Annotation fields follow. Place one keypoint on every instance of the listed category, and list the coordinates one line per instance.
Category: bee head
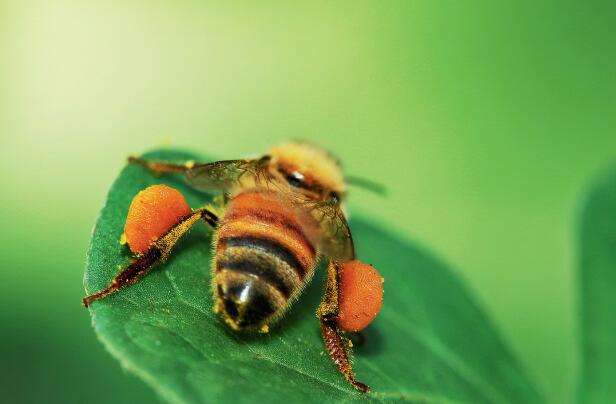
(309, 168)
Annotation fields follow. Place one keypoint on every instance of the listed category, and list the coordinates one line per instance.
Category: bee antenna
(368, 185)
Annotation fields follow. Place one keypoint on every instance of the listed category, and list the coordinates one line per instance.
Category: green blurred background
(485, 121)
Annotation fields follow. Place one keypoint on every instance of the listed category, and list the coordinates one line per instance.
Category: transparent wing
(221, 175)
(335, 239)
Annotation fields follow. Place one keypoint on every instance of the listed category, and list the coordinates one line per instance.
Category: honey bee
(280, 212)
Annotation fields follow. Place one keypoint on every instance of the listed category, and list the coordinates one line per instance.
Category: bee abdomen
(264, 259)
(262, 253)
(246, 302)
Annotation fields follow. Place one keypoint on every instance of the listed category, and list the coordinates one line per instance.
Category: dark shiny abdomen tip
(244, 305)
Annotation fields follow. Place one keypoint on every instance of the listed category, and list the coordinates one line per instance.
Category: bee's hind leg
(338, 346)
(158, 252)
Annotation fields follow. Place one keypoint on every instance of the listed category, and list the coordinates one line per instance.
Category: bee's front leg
(161, 167)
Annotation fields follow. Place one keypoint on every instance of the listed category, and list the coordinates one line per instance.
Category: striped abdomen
(264, 254)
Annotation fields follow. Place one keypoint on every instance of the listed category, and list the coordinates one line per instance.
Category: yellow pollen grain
(231, 324)
(264, 329)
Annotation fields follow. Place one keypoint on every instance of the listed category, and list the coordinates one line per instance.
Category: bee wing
(335, 239)
(221, 175)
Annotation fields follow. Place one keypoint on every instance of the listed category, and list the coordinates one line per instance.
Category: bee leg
(157, 253)
(159, 167)
(338, 346)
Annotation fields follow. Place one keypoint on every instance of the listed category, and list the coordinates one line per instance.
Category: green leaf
(430, 344)
(597, 297)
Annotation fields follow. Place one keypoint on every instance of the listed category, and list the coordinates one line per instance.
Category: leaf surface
(597, 274)
(430, 343)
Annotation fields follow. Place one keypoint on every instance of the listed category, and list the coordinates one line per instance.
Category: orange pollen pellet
(360, 295)
(152, 213)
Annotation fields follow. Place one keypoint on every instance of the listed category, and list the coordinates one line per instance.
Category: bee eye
(295, 179)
